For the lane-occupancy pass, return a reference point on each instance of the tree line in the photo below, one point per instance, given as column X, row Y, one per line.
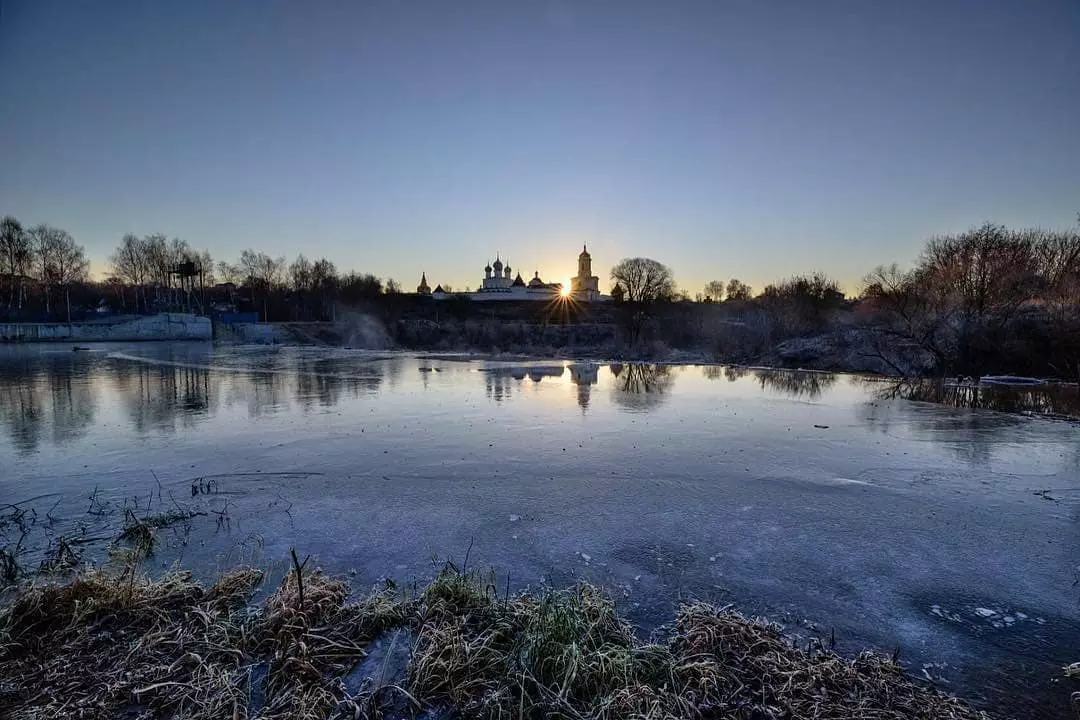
column 992, row 299
column 42, row 264
column 989, row 298
column 42, row 260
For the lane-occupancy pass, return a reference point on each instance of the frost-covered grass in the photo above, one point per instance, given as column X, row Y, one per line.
column 102, row 645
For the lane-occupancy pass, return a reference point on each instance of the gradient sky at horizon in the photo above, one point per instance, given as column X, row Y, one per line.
column 741, row 139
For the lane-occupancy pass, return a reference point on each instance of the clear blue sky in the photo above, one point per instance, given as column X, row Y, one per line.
column 751, row 139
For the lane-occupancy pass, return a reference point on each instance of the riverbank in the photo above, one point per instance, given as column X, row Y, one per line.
column 104, row 643
column 164, row 326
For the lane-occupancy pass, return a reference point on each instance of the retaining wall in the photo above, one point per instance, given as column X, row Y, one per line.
column 166, row 326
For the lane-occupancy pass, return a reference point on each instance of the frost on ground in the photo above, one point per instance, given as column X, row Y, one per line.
column 102, row 645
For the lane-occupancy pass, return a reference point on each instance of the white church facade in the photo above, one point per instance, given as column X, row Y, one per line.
column 500, row 283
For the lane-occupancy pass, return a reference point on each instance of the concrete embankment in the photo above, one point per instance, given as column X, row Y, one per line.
column 165, row 326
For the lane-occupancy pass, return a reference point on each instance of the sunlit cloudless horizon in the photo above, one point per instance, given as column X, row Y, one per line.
column 725, row 139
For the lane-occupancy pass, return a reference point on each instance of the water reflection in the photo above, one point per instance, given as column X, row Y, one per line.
column 500, row 382
column 48, row 393
column 22, row 414
column 584, row 376
column 1050, row 400
column 795, row 383
column 730, row 373
column 157, row 397
column 791, row 383
column 642, row 386
column 58, row 397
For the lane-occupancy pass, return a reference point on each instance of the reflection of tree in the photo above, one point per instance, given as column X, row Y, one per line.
column 498, row 387
column 73, row 406
column 926, row 408
column 269, row 392
column 160, row 396
column 642, row 386
column 328, row 379
column 1049, row 399
column 731, row 373
column 21, row 411
column 56, row 389
column 796, row 383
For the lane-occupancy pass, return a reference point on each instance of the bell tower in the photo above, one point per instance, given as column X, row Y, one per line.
column 584, row 263
column 585, row 286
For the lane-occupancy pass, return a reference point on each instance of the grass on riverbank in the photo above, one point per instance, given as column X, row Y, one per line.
column 105, row 645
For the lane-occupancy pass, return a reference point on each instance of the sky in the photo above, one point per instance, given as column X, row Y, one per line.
column 751, row 139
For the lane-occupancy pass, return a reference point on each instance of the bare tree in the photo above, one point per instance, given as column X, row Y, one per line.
column 206, row 268
column 229, row 273
column 61, row 262
column 644, row 279
column 909, row 321
column 262, row 274
column 714, row 291
column 16, row 256
column 323, row 273
column 158, row 259
column 324, row 281
column 44, row 240
column 70, row 266
column 300, row 274
column 130, row 265
column 738, row 291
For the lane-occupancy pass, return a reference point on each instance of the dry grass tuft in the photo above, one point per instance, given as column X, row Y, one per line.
column 107, row 645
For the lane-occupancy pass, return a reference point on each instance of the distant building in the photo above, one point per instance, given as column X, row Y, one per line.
column 423, row 288
column 500, row 283
column 586, row 286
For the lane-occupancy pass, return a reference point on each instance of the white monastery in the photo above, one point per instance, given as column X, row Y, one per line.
column 500, row 283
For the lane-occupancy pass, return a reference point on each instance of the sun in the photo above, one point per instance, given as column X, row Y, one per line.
column 565, row 290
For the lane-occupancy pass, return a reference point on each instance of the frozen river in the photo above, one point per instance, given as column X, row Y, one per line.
column 952, row 534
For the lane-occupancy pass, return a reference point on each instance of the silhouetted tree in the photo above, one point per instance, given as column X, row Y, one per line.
column 714, row 291
column 356, row 287
column 61, row 262
column 130, row 264
column 262, row 275
column 300, row 274
column 229, row 273
column 738, row 290
column 644, row 279
column 16, row 257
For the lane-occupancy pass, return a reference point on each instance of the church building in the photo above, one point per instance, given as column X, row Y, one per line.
column 500, row 283
column 586, row 286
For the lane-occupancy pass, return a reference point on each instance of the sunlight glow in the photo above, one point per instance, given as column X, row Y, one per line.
column 565, row 291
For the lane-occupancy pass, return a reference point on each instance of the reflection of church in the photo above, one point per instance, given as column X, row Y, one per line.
column 499, row 382
column 500, row 283
column 584, row 375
